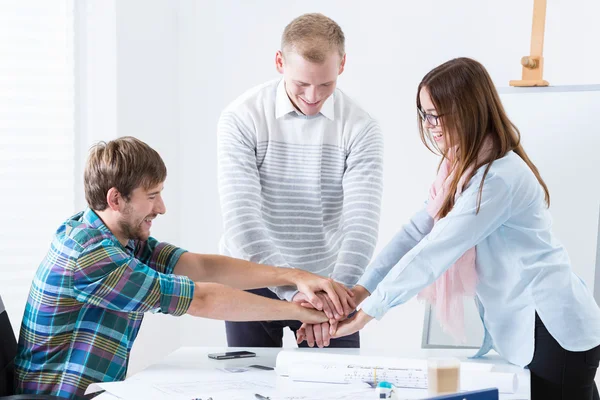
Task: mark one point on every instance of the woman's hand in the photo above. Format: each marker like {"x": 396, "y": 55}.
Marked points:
{"x": 351, "y": 325}
{"x": 322, "y": 333}
{"x": 360, "y": 294}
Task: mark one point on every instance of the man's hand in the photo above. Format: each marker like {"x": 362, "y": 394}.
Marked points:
{"x": 322, "y": 333}
{"x": 328, "y": 307}
{"x": 349, "y": 303}
{"x": 351, "y": 325}
{"x": 309, "y": 316}
{"x": 339, "y": 298}
{"x": 315, "y": 333}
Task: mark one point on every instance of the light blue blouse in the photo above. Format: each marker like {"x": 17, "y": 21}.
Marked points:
{"x": 521, "y": 266}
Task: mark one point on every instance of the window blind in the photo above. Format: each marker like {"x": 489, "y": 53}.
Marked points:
{"x": 36, "y": 138}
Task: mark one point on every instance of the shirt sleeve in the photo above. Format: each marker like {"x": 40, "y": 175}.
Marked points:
{"x": 404, "y": 241}
{"x": 239, "y": 189}
{"x": 362, "y": 188}
{"x": 160, "y": 256}
{"x": 450, "y": 237}
{"x": 107, "y": 276}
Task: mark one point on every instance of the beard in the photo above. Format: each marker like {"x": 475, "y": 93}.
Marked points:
{"x": 132, "y": 231}
{"x": 131, "y": 228}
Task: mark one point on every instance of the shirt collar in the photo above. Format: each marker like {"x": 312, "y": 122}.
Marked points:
{"x": 284, "y": 106}
{"x": 91, "y": 219}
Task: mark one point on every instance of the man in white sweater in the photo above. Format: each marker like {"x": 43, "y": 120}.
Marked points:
{"x": 300, "y": 177}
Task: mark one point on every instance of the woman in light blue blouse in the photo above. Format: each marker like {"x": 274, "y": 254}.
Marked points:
{"x": 486, "y": 231}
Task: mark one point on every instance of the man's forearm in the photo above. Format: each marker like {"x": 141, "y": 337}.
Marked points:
{"x": 217, "y": 301}
{"x": 233, "y": 272}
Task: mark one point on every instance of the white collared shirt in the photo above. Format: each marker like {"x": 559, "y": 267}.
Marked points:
{"x": 283, "y": 104}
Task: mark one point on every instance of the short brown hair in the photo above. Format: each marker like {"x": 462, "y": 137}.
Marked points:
{"x": 313, "y": 36}
{"x": 125, "y": 163}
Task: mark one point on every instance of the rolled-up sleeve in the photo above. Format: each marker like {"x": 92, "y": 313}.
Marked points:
{"x": 176, "y": 294}
{"x": 160, "y": 256}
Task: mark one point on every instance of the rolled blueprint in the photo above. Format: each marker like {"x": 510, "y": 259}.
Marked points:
{"x": 402, "y": 372}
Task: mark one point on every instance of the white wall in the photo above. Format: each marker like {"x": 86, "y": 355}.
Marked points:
{"x": 95, "y": 81}
{"x": 128, "y": 85}
{"x": 148, "y": 99}
{"x": 564, "y": 148}
{"x": 180, "y": 62}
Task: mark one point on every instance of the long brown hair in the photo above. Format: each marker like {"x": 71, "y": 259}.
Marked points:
{"x": 464, "y": 94}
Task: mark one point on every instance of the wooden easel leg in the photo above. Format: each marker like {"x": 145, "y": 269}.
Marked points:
{"x": 533, "y": 65}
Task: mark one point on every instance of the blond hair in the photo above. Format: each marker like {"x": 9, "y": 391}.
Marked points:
{"x": 313, "y": 36}
{"x": 125, "y": 163}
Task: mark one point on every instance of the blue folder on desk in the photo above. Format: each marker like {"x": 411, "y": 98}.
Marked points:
{"x": 487, "y": 394}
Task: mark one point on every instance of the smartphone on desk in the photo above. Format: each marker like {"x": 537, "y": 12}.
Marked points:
{"x": 231, "y": 354}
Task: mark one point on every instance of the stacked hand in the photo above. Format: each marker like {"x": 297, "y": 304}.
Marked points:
{"x": 336, "y": 327}
{"x": 309, "y": 316}
{"x": 333, "y": 300}
{"x": 314, "y": 291}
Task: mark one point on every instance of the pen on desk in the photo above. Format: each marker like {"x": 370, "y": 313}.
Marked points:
{"x": 261, "y": 397}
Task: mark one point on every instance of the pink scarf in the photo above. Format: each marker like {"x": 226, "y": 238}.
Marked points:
{"x": 460, "y": 280}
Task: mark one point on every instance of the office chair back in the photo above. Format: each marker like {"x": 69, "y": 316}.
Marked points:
{"x": 8, "y": 351}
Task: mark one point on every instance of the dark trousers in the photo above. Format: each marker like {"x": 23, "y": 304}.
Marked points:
{"x": 559, "y": 374}
{"x": 270, "y": 333}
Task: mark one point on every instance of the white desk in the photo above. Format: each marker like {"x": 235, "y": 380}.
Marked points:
{"x": 187, "y": 363}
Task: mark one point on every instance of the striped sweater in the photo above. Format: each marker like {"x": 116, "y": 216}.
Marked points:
{"x": 300, "y": 191}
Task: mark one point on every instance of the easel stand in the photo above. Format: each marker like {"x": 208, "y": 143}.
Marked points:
{"x": 533, "y": 65}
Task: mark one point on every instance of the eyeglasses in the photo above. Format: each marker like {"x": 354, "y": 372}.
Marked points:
{"x": 432, "y": 119}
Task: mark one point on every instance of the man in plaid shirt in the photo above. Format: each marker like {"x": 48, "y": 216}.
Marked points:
{"x": 103, "y": 271}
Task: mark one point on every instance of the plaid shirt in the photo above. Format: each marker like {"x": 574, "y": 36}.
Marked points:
{"x": 86, "y": 305}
